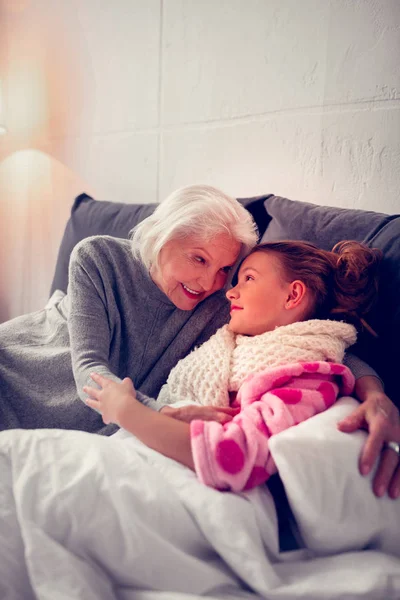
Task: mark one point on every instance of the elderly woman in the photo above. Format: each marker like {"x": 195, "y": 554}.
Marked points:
{"x": 132, "y": 308}
{"x": 135, "y": 309}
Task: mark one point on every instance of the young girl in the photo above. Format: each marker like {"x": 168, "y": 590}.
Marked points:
{"x": 278, "y": 361}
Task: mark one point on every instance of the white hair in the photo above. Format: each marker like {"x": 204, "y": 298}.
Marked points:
{"x": 198, "y": 211}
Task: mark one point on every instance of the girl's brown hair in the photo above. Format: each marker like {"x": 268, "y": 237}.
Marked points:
{"x": 343, "y": 283}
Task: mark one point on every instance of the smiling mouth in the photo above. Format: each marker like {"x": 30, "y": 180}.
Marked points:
{"x": 189, "y": 292}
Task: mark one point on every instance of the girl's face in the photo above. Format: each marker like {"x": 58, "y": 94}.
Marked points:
{"x": 259, "y": 301}
{"x": 190, "y": 270}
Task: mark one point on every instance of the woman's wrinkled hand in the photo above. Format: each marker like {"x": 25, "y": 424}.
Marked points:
{"x": 112, "y": 400}
{"x": 380, "y": 417}
{"x": 192, "y": 412}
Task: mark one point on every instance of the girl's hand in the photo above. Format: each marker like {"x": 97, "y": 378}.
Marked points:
{"x": 379, "y": 416}
{"x": 203, "y": 413}
{"x": 112, "y": 400}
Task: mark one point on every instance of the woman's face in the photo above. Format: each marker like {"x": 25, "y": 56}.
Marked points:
{"x": 259, "y": 300}
{"x": 191, "y": 269}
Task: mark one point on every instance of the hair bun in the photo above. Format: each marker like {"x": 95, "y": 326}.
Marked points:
{"x": 356, "y": 279}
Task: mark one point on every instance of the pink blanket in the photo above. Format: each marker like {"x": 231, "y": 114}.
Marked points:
{"x": 235, "y": 456}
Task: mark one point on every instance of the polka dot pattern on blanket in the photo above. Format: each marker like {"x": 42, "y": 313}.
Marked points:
{"x": 230, "y": 456}
{"x": 258, "y": 476}
{"x": 288, "y": 396}
{"x": 328, "y": 391}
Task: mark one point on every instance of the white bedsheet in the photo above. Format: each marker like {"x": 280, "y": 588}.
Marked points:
{"x": 84, "y": 517}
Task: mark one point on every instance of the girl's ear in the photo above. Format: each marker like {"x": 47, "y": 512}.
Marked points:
{"x": 297, "y": 294}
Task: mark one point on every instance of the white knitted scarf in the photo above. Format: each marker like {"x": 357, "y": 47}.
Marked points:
{"x": 210, "y": 372}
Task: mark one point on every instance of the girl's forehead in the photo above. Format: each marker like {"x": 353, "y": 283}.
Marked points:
{"x": 262, "y": 261}
{"x": 257, "y": 257}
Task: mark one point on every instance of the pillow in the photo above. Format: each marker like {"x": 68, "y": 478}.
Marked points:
{"x": 101, "y": 217}
{"x": 94, "y": 217}
{"x": 334, "y": 506}
{"x": 325, "y": 226}
{"x": 322, "y": 225}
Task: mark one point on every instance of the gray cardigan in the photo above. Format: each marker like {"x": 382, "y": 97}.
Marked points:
{"x": 115, "y": 321}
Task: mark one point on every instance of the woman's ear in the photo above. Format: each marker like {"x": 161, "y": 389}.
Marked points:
{"x": 297, "y": 294}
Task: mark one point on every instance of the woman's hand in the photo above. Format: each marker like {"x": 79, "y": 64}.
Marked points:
{"x": 203, "y": 413}
{"x": 379, "y": 416}
{"x": 118, "y": 404}
{"x": 113, "y": 400}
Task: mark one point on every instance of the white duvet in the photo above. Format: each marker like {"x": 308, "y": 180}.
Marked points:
{"x": 83, "y": 517}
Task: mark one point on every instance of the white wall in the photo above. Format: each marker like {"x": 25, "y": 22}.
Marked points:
{"x": 131, "y": 99}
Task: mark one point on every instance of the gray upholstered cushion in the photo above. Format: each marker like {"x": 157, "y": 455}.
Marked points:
{"x": 95, "y": 217}
{"x": 323, "y": 225}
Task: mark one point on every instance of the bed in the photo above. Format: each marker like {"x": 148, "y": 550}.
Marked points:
{"x": 81, "y": 515}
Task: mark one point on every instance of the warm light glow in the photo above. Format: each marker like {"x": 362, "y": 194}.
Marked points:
{"x": 36, "y": 194}
{"x": 15, "y": 6}
{"x": 26, "y": 95}
{"x": 3, "y": 129}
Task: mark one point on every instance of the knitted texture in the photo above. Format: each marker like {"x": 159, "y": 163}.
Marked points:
{"x": 220, "y": 365}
